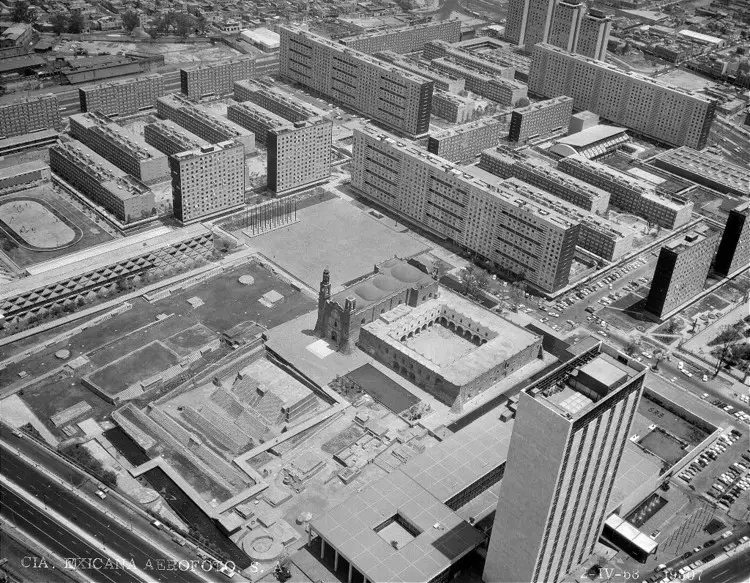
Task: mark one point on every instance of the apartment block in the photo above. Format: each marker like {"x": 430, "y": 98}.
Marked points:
{"x": 506, "y": 92}
{"x": 528, "y": 22}
{"x": 123, "y": 97}
{"x": 299, "y": 156}
{"x": 593, "y": 37}
{"x": 207, "y": 181}
{"x": 30, "y": 114}
{"x": 104, "y": 183}
{"x": 706, "y": 169}
{"x": 274, "y": 100}
{"x": 169, "y": 138}
{"x": 630, "y": 194}
{"x": 466, "y": 141}
{"x": 541, "y": 119}
{"x": 570, "y": 433}
{"x": 391, "y": 96}
{"x": 486, "y": 63}
{"x": 452, "y": 108}
{"x": 647, "y": 106}
{"x": 216, "y": 79}
{"x": 506, "y": 163}
{"x": 124, "y": 149}
{"x": 565, "y": 25}
{"x": 485, "y": 215}
{"x": 443, "y": 81}
{"x": 256, "y": 119}
{"x": 734, "y": 248}
{"x": 203, "y": 123}
{"x": 681, "y": 270}
{"x": 406, "y": 39}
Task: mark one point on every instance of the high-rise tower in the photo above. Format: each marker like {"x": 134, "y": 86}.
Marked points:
{"x": 566, "y": 23}
{"x": 570, "y": 432}
{"x": 528, "y": 22}
{"x": 593, "y": 36}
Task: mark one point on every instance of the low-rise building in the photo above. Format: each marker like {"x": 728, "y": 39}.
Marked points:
{"x": 23, "y": 176}
{"x": 541, "y": 119}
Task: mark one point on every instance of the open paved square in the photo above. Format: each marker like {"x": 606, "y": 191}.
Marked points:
{"x": 337, "y": 235}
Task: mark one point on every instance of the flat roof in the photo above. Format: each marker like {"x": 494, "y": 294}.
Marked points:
{"x": 443, "y": 538}
{"x": 28, "y": 138}
{"x": 591, "y": 135}
{"x": 463, "y": 458}
{"x": 604, "y": 371}
{"x": 631, "y": 533}
{"x": 17, "y": 169}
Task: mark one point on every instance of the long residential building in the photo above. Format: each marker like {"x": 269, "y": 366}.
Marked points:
{"x": 30, "y": 114}
{"x": 274, "y": 100}
{"x": 506, "y": 163}
{"x": 207, "y": 181}
{"x": 405, "y": 39}
{"x": 490, "y": 218}
{"x": 443, "y": 81}
{"x": 124, "y": 149}
{"x": 199, "y": 121}
{"x": 299, "y": 153}
{"x": 681, "y": 270}
{"x": 166, "y": 136}
{"x": 630, "y": 194}
{"x": 216, "y": 79}
{"x": 647, "y": 106}
{"x": 541, "y": 119}
{"x": 507, "y": 92}
{"x": 104, "y": 183}
{"x": 486, "y": 63}
{"x": 391, "y": 96}
{"x": 466, "y": 141}
{"x": 706, "y": 169}
{"x": 122, "y": 97}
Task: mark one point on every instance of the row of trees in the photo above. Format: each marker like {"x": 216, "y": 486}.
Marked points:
{"x": 81, "y": 456}
{"x": 73, "y": 23}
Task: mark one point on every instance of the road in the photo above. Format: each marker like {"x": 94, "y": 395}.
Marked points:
{"x": 733, "y": 570}
{"x": 70, "y": 103}
{"x": 56, "y": 538}
{"x": 128, "y": 542}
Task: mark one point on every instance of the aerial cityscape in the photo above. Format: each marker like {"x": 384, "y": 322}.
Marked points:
{"x": 389, "y": 291}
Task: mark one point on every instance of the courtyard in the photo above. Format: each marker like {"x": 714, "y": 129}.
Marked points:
{"x": 440, "y": 345}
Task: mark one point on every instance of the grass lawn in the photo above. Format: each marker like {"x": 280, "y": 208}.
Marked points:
{"x": 342, "y": 439}
{"x": 189, "y": 340}
{"x": 382, "y": 388}
{"x": 135, "y": 367}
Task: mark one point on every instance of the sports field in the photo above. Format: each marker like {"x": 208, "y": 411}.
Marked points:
{"x": 35, "y": 224}
{"x": 337, "y": 235}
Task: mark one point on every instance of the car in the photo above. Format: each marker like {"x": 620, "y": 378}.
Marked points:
{"x": 17, "y": 433}
{"x": 687, "y": 373}
{"x": 696, "y": 549}
{"x": 101, "y": 494}
{"x": 708, "y": 543}
{"x": 655, "y": 533}
{"x": 704, "y": 395}
{"x": 726, "y": 534}
{"x": 705, "y": 380}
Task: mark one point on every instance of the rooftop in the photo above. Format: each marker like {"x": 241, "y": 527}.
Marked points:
{"x": 441, "y": 536}
{"x": 465, "y": 128}
{"x": 544, "y": 104}
{"x": 691, "y": 239}
{"x": 709, "y": 166}
{"x": 17, "y": 169}
{"x": 592, "y": 135}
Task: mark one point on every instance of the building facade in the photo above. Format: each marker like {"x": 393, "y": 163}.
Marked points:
{"x": 565, "y": 25}
{"x": 274, "y": 100}
{"x": 202, "y": 123}
{"x": 593, "y": 37}
{"x": 450, "y": 107}
{"x": 105, "y": 184}
{"x": 734, "y": 249}
{"x": 299, "y": 156}
{"x": 169, "y": 138}
{"x": 541, "y": 119}
{"x": 406, "y": 39}
{"x": 393, "y": 97}
{"x": 628, "y": 193}
{"x": 528, "y": 22}
{"x": 493, "y": 220}
{"x": 30, "y": 114}
{"x": 216, "y": 79}
{"x": 647, "y": 106}
{"x": 443, "y": 81}
{"x": 124, "y": 149}
{"x": 256, "y": 119}
{"x": 123, "y": 97}
{"x": 507, "y": 92}
{"x": 466, "y": 141}
{"x": 681, "y": 270}
{"x": 568, "y": 440}
{"x": 23, "y": 176}
{"x": 207, "y": 181}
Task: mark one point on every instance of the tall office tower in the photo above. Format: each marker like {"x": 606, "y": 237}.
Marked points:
{"x": 529, "y": 22}
{"x": 570, "y": 432}
{"x": 494, "y": 218}
{"x": 566, "y": 24}
{"x": 122, "y": 97}
{"x": 594, "y": 35}
{"x": 389, "y": 95}
{"x": 207, "y": 181}
{"x": 734, "y": 249}
{"x": 648, "y": 106}
{"x": 681, "y": 270}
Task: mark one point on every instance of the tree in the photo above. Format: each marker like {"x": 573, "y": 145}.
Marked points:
{"x": 728, "y": 337}
{"x": 130, "y": 20}
{"x": 201, "y": 24}
{"x": 632, "y": 348}
{"x": 59, "y": 23}
{"x": 23, "y": 13}
{"x": 469, "y": 278}
{"x": 76, "y": 23}
{"x": 184, "y": 24}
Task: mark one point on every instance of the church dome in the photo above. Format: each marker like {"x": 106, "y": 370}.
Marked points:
{"x": 368, "y": 292}
{"x": 385, "y": 283}
{"x": 406, "y": 273}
